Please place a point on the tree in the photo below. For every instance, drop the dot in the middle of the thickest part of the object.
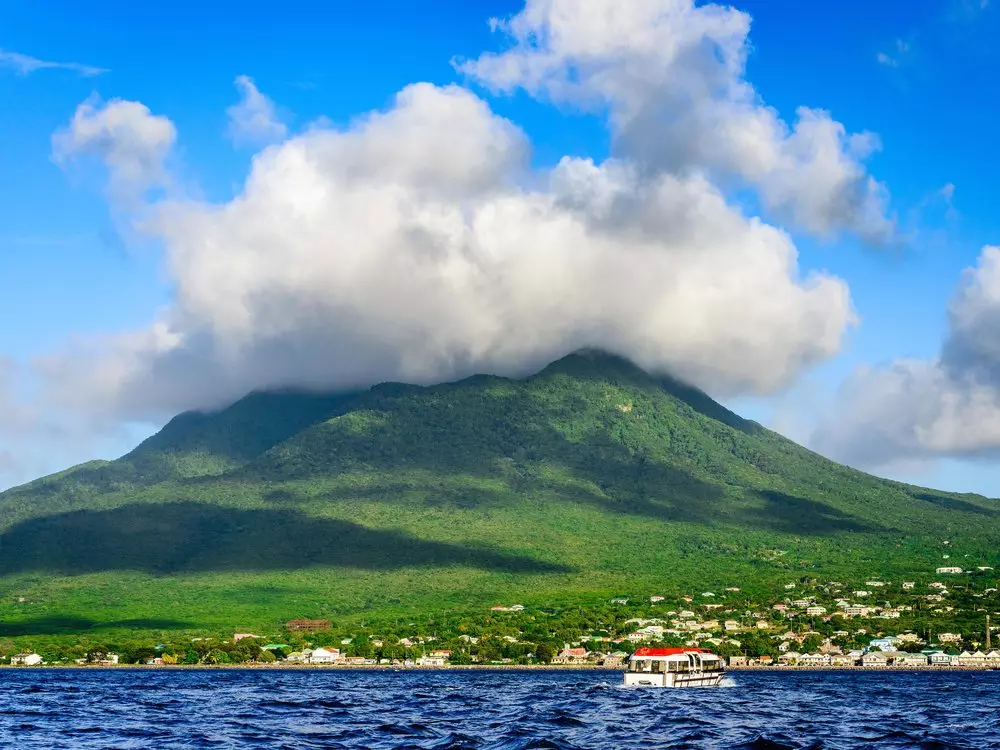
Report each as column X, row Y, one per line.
column 544, row 652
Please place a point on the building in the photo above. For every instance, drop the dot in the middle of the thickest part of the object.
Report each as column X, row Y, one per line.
column 966, row 659
column 737, row 661
column 874, row 659
column 815, row 660
column 948, row 570
column 789, row 658
column 910, row 660
column 815, row 611
column 307, row 626
column 908, row 584
column 883, row 644
column 571, row 656
column 321, row 656
column 25, row 660
column 937, row 658
column 655, row 599
column 842, row 660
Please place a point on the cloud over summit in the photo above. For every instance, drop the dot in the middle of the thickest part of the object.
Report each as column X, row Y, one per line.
column 418, row 244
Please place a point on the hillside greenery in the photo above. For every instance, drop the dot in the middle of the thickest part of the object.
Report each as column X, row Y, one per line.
column 588, row 480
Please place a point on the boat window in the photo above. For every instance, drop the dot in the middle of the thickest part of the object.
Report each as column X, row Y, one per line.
column 657, row 666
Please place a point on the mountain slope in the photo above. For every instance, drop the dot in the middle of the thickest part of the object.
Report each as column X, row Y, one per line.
column 591, row 477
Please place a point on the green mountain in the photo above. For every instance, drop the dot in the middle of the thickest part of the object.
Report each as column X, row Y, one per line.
column 587, row 480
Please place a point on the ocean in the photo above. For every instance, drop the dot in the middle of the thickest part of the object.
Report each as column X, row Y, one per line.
column 241, row 708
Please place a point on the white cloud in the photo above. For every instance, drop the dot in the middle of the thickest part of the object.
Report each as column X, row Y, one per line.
column 416, row 245
column 894, row 60
column 26, row 65
column 671, row 77
column 915, row 409
column 125, row 136
column 253, row 120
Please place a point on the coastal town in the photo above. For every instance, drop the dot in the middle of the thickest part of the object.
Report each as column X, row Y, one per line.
column 945, row 620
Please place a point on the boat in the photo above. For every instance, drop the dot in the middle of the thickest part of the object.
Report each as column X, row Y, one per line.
column 674, row 667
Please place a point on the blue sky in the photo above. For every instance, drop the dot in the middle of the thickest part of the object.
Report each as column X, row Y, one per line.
column 919, row 75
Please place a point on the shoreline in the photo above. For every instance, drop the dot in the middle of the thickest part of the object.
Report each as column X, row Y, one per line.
column 479, row 668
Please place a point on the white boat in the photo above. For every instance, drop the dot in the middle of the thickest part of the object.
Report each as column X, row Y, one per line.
column 674, row 667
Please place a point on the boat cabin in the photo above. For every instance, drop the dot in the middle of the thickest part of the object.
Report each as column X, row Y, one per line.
column 656, row 660
column 674, row 667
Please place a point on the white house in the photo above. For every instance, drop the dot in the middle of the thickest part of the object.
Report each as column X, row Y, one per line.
column 874, row 659
column 431, row 661
column 813, row 611
column 949, row 569
column 903, row 659
column 322, row 656
column 908, row 584
column 25, row 660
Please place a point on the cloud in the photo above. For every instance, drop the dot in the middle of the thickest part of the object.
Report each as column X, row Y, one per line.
column 670, row 75
column 253, row 120
column 902, row 48
column 418, row 245
column 125, row 137
column 26, row 65
column 924, row 409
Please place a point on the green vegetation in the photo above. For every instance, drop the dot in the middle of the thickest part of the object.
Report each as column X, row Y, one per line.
column 588, row 480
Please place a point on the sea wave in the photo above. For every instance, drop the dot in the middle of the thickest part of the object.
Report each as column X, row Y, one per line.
column 502, row 710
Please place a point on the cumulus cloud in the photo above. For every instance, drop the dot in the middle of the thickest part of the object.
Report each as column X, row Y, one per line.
column 26, row 65
column 671, row 76
column 253, row 121
column 130, row 141
column 417, row 245
column 917, row 409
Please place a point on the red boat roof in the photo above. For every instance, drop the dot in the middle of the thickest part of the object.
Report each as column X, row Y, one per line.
column 669, row 651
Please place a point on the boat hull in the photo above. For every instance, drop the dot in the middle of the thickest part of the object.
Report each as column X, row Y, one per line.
column 675, row 680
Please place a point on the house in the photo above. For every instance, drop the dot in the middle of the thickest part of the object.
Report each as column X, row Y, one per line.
column 883, row 644
column 737, row 661
column 815, row 660
column 780, row 607
column 910, row 660
column 321, row 656
column 25, row 660
column 655, row 599
column 620, row 600
column 732, row 588
column 762, row 625
column 938, row 658
column 948, row 570
column 801, row 603
column 789, row 657
column 978, row 659
column 993, row 658
column 442, row 653
column 949, row 638
column 306, row 626
column 842, row 660
column 908, row 584
column 876, row 584
column 862, row 593
column 855, row 611
column 431, row 661
column 874, row 659
column 731, row 625
column 570, row 655
column 237, row 637
column 815, row 611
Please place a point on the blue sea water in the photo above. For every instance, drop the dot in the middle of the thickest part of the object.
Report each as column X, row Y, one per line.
column 51, row 708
